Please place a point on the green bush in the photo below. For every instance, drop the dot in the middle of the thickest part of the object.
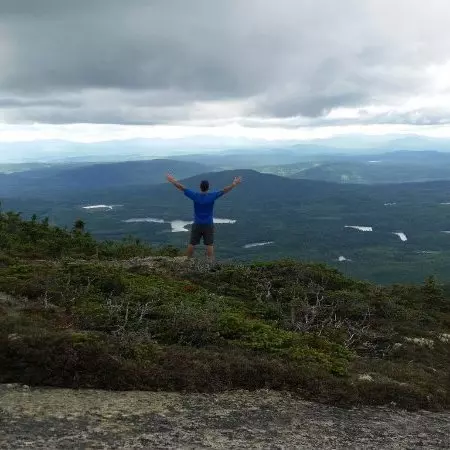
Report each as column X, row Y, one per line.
column 82, row 317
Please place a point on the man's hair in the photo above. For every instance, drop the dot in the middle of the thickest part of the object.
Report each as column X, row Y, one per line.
column 204, row 185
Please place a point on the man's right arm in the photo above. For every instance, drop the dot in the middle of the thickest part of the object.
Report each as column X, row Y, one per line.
column 176, row 183
column 235, row 182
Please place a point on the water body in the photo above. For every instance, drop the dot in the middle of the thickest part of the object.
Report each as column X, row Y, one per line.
column 402, row 236
column 177, row 226
column 390, row 204
column 343, row 258
column 224, row 221
column 258, row 244
column 359, row 227
column 144, row 220
column 95, row 207
column 428, row 252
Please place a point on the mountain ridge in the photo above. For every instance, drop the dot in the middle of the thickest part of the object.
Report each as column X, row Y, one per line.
column 65, row 178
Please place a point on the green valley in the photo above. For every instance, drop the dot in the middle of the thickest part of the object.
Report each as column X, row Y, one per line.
column 302, row 219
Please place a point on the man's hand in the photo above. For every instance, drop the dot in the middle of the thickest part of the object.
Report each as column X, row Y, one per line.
column 170, row 178
column 237, row 180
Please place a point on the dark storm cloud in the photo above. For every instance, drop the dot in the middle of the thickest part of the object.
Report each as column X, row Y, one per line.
column 125, row 45
column 138, row 61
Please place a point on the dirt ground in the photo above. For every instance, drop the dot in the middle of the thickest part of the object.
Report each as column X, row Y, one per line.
column 91, row 419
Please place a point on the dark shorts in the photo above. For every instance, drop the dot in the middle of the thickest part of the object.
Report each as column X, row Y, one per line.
column 199, row 231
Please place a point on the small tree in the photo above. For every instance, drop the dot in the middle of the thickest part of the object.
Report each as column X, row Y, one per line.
column 79, row 226
column 434, row 292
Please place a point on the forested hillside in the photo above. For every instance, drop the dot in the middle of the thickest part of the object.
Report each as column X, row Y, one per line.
column 75, row 312
column 302, row 219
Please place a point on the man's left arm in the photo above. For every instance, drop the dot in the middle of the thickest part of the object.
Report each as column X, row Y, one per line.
column 236, row 181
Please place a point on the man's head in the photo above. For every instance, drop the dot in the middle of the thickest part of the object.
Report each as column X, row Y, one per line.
column 204, row 185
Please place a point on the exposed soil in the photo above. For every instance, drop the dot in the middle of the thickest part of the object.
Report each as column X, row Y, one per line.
column 91, row 419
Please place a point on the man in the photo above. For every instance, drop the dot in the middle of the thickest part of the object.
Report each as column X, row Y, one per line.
column 203, row 226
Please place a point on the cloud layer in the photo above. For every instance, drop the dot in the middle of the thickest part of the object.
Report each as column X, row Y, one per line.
column 207, row 62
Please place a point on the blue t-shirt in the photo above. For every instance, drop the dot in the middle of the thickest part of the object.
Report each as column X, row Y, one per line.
column 203, row 205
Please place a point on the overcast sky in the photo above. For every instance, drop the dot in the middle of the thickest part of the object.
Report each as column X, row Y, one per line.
column 261, row 68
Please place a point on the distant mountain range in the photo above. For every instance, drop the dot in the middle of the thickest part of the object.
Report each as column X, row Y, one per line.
column 60, row 180
column 63, row 179
column 393, row 167
column 58, row 151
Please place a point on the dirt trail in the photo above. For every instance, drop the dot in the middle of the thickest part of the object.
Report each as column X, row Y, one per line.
column 91, row 419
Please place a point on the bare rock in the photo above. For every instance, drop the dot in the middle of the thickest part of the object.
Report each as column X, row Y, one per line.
column 73, row 419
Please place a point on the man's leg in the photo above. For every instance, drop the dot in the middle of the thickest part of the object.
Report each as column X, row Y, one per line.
column 210, row 253
column 190, row 251
column 208, row 239
column 195, row 240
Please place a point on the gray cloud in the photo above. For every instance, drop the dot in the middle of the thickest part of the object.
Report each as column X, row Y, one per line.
column 135, row 61
column 16, row 102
